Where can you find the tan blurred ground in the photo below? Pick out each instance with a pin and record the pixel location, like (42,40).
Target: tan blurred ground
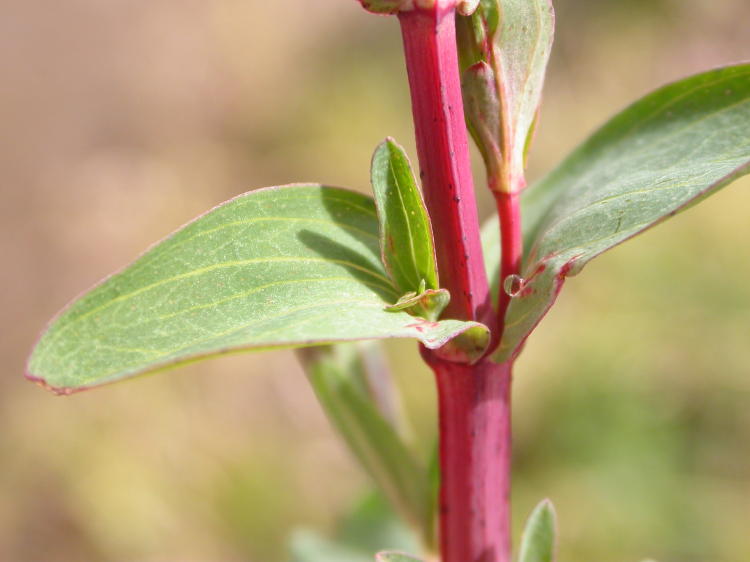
(122,119)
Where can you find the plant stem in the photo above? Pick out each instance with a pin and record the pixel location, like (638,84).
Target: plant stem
(511,241)
(429,36)
(475,458)
(474,400)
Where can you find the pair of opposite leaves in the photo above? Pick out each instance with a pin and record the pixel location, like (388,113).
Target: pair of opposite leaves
(301,265)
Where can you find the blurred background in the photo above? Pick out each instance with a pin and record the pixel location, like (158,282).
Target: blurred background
(121,120)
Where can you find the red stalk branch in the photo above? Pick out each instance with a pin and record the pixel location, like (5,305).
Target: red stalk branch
(429,36)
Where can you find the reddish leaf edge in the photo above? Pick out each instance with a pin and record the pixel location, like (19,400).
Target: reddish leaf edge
(195,358)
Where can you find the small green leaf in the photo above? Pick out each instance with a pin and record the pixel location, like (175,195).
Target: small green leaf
(523,44)
(658,157)
(395,557)
(405,233)
(538,539)
(279,267)
(336,374)
(483,118)
(504,48)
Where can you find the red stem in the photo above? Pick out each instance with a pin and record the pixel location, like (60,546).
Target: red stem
(475,458)
(511,240)
(442,144)
(474,400)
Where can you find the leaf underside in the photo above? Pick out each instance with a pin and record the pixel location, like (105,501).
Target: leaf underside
(278,267)
(658,157)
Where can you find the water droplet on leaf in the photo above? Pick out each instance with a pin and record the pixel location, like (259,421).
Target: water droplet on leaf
(513,285)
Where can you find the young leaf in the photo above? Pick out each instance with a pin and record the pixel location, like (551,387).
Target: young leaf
(405,233)
(337,374)
(279,267)
(395,557)
(523,44)
(406,244)
(504,49)
(538,539)
(658,157)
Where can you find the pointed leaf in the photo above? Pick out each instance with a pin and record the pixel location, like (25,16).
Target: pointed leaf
(538,539)
(504,48)
(658,157)
(522,48)
(483,115)
(280,267)
(337,374)
(405,232)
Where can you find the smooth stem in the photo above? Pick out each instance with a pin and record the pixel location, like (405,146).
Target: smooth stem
(474,400)
(429,36)
(475,458)
(511,241)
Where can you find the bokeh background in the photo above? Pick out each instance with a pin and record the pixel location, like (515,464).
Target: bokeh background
(121,120)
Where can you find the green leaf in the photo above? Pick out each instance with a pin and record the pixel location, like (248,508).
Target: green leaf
(538,539)
(502,83)
(522,48)
(482,107)
(395,557)
(279,267)
(341,384)
(658,157)
(406,244)
(405,233)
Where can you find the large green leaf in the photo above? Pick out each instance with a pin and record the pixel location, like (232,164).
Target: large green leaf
(538,540)
(658,157)
(345,390)
(279,267)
